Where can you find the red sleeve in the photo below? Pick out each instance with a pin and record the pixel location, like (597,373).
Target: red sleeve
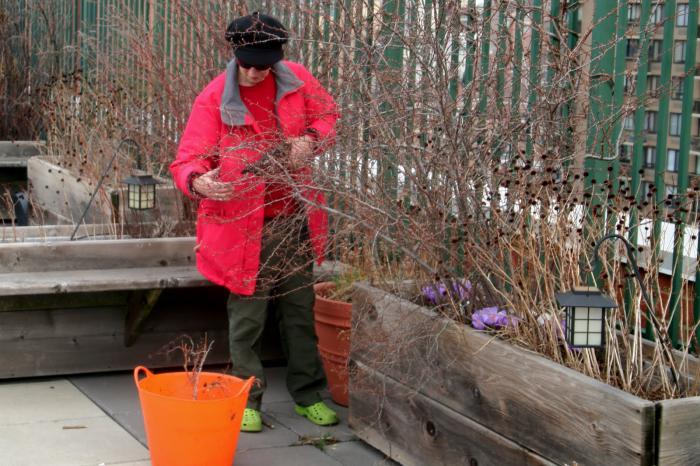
(321,109)
(199,143)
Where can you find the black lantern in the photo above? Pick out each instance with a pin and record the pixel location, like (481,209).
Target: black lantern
(586,309)
(141,192)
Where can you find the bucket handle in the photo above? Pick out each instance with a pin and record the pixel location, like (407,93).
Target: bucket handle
(246,386)
(137,372)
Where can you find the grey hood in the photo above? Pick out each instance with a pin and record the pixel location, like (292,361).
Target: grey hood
(233,110)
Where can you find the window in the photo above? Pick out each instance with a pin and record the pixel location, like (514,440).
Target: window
(672,196)
(655,50)
(679,51)
(672,160)
(681,15)
(634,12)
(653,85)
(629,123)
(625,152)
(649,157)
(632,48)
(657,14)
(697,164)
(629,84)
(677,88)
(674,127)
(650,121)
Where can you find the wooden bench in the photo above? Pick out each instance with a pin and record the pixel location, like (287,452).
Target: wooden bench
(144,267)
(84,306)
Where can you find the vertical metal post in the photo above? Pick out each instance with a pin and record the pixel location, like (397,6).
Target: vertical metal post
(392,13)
(534,72)
(500,54)
(599,138)
(572,17)
(638,147)
(662,135)
(470,58)
(517,58)
(619,90)
(554,12)
(683,169)
(485,50)
(454,27)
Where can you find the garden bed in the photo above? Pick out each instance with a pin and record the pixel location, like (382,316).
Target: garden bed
(426,390)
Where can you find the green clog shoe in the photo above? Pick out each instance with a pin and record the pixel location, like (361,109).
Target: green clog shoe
(252,421)
(318,413)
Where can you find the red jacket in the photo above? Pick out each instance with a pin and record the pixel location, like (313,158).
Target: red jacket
(229,232)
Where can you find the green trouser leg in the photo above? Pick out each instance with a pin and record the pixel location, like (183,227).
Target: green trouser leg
(285,282)
(294,309)
(246,319)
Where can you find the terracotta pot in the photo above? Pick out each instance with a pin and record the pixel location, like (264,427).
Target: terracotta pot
(333,329)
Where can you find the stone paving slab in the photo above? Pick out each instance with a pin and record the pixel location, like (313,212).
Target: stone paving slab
(116,395)
(278,436)
(68,442)
(292,441)
(284,413)
(358,453)
(50,422)
(44,400)
(276,385)
(287,456)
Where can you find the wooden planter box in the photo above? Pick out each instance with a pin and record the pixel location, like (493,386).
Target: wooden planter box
(428,391)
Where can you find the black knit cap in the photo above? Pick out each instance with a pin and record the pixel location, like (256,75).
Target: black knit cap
(257,39)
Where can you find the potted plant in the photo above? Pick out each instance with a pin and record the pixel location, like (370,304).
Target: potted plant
(332,316)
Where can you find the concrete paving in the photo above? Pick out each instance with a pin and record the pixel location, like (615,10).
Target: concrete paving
(95,420)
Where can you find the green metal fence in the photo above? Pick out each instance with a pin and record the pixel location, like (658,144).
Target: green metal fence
(632,45)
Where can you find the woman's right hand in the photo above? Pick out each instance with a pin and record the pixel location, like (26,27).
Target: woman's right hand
(206,185)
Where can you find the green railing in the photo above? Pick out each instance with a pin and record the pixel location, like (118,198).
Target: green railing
(476,36)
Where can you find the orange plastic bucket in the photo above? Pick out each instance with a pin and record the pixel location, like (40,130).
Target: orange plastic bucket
(182,431)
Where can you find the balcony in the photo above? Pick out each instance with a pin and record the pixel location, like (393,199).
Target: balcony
(695,144)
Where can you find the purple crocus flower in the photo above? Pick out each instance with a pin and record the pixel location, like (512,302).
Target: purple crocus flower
(434,293)
(491,318)
(461,290)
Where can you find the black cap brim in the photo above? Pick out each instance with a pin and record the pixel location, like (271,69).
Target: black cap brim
(259,56)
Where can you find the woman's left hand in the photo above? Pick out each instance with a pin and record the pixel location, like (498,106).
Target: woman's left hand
(301,151)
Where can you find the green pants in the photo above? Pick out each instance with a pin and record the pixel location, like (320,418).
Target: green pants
(284,281)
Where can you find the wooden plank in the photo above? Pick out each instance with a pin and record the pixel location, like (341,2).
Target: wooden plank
(556,412)
(68,341)
(415,430)
(140,305)
(12,234)
(678,432)
(64,195)
(98,254)
(685,363)
(63,301)
(96,280)
(81,281)
(97,353)
(112,254)
(17,153)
